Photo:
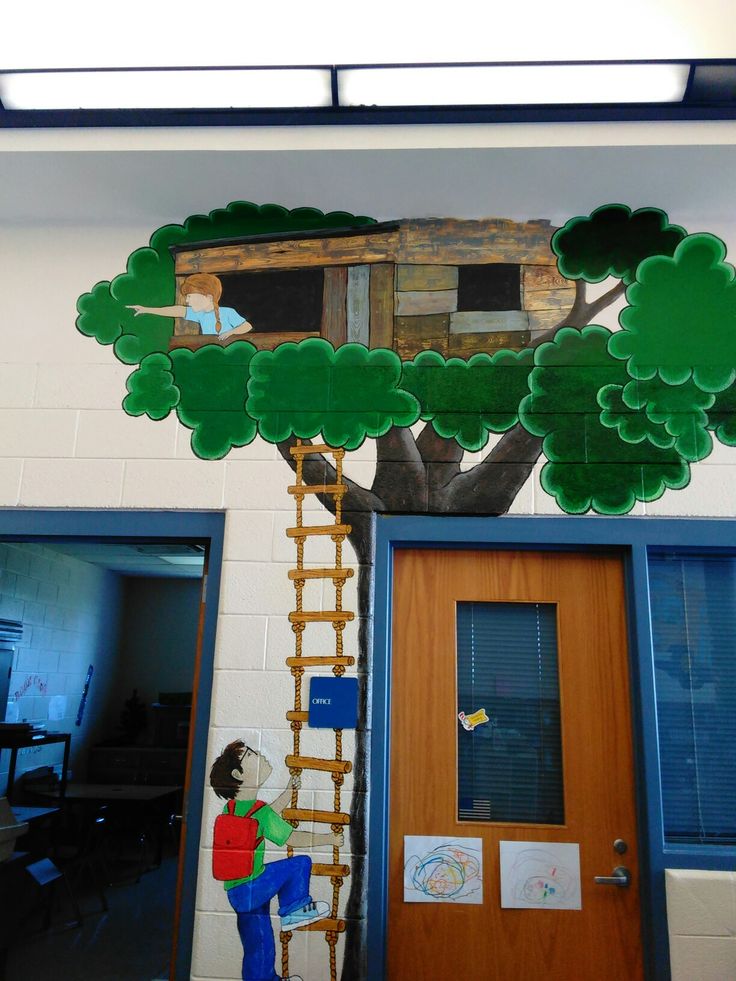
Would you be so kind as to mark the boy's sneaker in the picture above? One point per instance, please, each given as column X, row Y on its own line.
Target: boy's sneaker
column 304, row 916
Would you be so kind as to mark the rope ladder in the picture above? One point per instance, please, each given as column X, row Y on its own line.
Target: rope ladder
column 332, row 926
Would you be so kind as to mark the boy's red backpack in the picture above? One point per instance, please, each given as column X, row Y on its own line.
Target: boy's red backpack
column 235, row 842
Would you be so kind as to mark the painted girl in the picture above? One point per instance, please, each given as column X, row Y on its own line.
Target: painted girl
column 202, row 293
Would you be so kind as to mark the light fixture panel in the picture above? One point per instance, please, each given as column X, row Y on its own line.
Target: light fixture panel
column 280, row 88
column 513, row 85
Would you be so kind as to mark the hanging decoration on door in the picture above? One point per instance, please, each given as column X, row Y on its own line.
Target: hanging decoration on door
column 443, row 870
column 472, row 721
column 540, row 875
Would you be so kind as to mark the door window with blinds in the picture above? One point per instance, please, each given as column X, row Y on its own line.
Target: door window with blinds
column 509, row 767
column 693, row 609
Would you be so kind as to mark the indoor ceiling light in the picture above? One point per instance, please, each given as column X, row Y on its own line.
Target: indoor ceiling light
column 372, row 94
column 167, row 89
column 506, row 85
column 197, row 560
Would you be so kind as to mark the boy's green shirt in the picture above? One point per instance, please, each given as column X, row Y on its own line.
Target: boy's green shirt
column 271, row 826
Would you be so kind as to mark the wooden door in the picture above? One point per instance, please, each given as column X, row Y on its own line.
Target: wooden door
column 430, row 940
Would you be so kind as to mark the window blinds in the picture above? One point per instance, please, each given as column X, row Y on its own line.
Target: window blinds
column 510, row 768
column 693, row 609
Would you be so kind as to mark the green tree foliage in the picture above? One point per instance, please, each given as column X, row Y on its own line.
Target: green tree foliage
column 149, row 277
column 213, row 383
column 722, row 416
column 681, row 318
column 465, row 400
column 345, row 394
column 151, row 388
column 612, row 241
column 589, row 465
column 620, row 416
column 673, row 415
column 632, row 426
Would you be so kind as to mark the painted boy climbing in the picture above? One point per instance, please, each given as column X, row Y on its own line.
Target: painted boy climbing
column 236, row 776
column 202, row 293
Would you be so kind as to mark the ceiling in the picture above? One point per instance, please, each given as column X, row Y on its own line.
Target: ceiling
column 159, row 560
column 149, row 188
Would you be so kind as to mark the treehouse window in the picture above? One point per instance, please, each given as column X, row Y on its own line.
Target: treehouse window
column 491, row 286
column 276, row 301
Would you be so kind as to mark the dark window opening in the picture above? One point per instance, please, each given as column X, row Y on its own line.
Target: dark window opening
column 510, row 768
column 492, row 286
column 276, row 300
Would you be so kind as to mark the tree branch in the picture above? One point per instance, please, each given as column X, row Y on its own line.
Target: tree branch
column 491, row 486
column 401, row 478
column 441, row 458
column 581, row 313
column 602, row 302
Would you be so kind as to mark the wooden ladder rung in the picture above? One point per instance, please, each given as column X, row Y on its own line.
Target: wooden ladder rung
column 320, row 573
column 305, row 450
column 297, row 716
column 342, row 870
column 313, row 763
column 325, row 926
column 321, row 616
column 318, row 817
column 304, row 531
column 299, row 489
column 346, row 661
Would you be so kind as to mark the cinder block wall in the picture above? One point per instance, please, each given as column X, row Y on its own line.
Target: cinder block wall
column 66, row 443
column 70, row 611
column 701, row 915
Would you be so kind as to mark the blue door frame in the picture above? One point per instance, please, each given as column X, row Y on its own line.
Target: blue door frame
column 204, row 527
column 631, row 538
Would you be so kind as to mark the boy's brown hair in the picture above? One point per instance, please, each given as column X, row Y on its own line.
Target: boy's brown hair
column 222, row 781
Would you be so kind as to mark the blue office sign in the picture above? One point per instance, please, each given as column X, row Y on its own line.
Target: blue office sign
column 333, row 703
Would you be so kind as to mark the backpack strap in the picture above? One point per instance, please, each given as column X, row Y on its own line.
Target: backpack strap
column 257, row 805
column 231, row 807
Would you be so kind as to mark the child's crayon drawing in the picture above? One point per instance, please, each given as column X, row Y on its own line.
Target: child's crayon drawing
column 442, row 870
column 540, row 875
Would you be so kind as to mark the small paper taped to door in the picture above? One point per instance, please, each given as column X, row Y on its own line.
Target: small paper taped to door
column 443, row 869
column 540, row 875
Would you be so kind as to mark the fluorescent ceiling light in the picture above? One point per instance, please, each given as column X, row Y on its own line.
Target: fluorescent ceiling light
column 183, row 559
column 506, row 85
column 167, row 89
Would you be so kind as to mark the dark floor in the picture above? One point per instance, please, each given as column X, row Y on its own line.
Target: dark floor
column 131, row 942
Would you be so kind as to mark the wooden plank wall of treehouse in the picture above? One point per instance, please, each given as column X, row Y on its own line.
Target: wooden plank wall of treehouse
column 408, row 287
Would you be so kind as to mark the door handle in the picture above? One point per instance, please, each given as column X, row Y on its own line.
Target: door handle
column 621, row 877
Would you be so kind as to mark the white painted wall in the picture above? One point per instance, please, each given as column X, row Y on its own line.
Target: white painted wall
column 66, row 442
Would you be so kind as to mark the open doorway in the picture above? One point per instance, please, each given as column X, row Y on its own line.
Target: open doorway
column 104, row 732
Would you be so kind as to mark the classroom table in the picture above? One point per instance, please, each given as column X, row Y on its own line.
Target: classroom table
column 144, row 801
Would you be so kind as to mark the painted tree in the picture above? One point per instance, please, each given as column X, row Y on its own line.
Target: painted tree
column 617, row 417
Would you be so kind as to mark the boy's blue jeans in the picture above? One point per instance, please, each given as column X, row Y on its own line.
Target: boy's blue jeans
column 289, row 878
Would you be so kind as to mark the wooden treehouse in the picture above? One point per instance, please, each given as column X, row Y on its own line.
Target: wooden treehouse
column 457, row 287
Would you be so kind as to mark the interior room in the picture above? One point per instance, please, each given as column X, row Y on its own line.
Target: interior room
column 98, row 652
